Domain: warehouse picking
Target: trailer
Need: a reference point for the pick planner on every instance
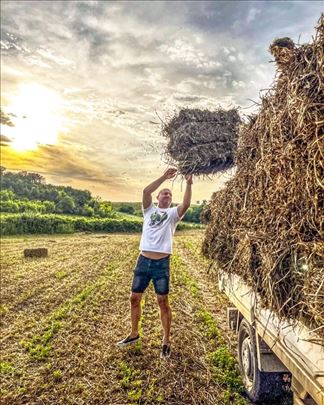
(273, 353)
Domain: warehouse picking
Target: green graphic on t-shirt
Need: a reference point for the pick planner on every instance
(157, 219)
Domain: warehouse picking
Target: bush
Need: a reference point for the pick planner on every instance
(127, 209)
(9, 206)
(30, 223)
(65, 228)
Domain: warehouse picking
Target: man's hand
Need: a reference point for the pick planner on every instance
(148, 190)
(188, 178)
(170, 173)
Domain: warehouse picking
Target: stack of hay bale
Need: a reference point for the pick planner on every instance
(267, 224)
(201, 141)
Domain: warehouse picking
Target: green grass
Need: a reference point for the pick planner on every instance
(57, 375)
(61, 274)
(223, 364)
(6, 368)
(39, 346)
(209, 325)
(184, 277)
(131, 382)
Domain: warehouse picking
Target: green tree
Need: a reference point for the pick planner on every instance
(65, 205)
(9, 206)
(49, 207)
(95, 204)
(128, 209)
(88, 211)
(28, 186)
(7, 195)
(105, 209)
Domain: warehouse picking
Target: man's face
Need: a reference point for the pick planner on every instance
(165, 198)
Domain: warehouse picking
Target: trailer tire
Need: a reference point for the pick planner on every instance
(248, 361)
(259, 386)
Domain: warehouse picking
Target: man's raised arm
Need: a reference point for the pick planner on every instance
(182, 208)
(148, 190)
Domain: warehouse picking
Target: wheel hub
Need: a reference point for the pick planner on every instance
(247, 360)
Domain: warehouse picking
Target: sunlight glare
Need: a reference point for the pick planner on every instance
(37, 120)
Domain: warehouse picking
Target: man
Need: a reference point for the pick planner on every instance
(156, 247)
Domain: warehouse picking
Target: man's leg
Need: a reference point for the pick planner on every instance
(139, 284)
(166, 316)
(135, 304)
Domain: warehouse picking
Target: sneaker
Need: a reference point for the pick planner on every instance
(127, 341)
(165, 352)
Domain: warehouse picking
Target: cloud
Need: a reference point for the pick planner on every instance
(5, 119)
(4, 140)
(115, 64)
(183, 51)
(56, 160)
(252, 14)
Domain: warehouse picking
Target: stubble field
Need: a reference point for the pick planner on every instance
(62, 315)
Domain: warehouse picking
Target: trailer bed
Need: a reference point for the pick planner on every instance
(293, 343)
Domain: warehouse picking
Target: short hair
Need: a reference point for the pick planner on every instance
(162, 189)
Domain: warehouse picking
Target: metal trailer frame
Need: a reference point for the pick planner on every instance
(291, 344)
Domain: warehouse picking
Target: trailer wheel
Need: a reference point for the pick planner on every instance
(265, 387)
(247, 352)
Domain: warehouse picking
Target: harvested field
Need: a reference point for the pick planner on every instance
(61, 316)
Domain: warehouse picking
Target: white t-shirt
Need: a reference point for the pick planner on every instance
(158, 229)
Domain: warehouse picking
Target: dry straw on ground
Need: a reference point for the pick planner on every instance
(267, 224)
(62, 316)
(201, 141)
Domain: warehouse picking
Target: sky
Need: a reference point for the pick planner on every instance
(86, 84)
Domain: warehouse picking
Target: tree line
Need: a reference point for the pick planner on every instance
(193, 214)
(26, 192)
(29, 223)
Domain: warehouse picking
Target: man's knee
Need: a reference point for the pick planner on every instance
(135, 299)
(163, 302)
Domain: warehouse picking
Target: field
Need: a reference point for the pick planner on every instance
(62, 315)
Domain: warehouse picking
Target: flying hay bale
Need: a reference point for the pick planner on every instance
(267, 224)
(38, 252)
(201, 141)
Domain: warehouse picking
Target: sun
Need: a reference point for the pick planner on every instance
(36, 117)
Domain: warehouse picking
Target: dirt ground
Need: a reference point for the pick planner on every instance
(61, 317)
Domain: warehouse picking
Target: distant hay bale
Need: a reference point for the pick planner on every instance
(202, 141)
(38, 252)
(267, 224)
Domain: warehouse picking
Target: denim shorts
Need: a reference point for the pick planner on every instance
(156, 270)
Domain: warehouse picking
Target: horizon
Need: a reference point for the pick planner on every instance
(197, 202)
(110, 71)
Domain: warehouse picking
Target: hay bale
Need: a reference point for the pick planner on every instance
(267, 224)
(201, 141)
(36, 252)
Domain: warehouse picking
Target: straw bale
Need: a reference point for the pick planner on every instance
(201, 141)
(36, 252)
(267, 224)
